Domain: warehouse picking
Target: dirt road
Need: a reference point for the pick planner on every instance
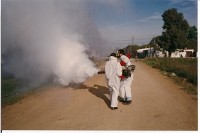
(158, 104)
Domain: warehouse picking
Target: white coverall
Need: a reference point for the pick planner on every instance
(113, 70)
(125, 88)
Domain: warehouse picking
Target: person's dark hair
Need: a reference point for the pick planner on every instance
(113, 54)
(121, 51)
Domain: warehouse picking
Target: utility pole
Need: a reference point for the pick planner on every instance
(149, 49)
(153, 46)
(133, 40)
(132, 45)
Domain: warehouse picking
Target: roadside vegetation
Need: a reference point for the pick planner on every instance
(182, 70)
(9, 94)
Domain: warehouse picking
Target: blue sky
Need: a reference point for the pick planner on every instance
(120, 20)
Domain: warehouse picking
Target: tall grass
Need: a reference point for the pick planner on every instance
(182, 67)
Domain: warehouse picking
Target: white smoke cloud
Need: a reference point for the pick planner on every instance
(41, 38)
(73, 64)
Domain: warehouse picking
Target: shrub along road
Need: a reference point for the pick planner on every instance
(158, 104)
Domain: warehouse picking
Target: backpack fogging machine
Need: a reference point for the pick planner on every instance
(128, 70)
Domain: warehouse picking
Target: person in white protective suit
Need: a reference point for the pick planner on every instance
(113, 73)
(125, 87)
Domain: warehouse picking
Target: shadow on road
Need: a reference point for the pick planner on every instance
(97, 90)
(100, 91)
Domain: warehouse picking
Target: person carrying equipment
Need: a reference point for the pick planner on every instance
(128, 68)
(113, 73)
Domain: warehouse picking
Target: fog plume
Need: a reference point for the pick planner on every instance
(42, 39)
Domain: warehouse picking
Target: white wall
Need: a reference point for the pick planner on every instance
(178, 54)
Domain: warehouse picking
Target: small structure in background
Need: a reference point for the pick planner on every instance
(162, 53)
(189, 52)
(179, 53)
(145, 52)
(182, 53)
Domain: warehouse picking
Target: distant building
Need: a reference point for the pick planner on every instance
(182, 53)
(145, 52)
(162, 53)
(189, 52)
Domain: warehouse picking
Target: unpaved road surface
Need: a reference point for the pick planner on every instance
(158, 104)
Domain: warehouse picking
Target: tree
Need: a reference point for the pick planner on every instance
(192, 33)
(192, 38)
(176, 28)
